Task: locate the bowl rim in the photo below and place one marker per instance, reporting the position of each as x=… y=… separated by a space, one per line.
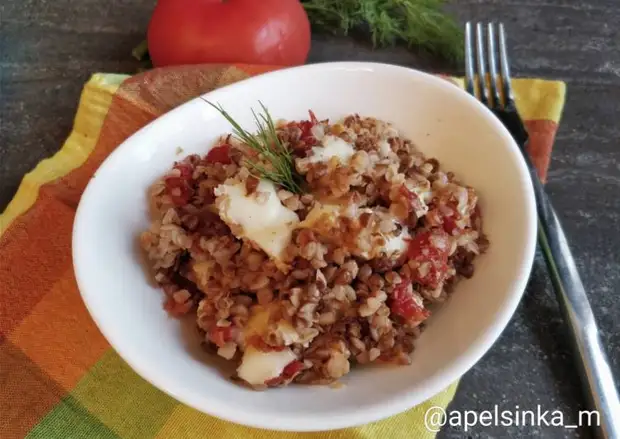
x=392 y=406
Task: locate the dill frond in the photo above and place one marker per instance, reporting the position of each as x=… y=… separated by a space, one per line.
x=281 y=165
x=421 y=23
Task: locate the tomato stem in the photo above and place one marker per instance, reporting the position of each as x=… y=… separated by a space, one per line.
x=141 y=51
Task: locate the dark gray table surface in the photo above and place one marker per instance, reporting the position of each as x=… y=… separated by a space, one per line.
x=49 y=48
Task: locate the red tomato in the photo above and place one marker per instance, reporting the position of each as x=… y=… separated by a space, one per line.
x=219 y=154
x=274 y=32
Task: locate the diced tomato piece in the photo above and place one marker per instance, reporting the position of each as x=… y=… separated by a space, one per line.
x=293 y=368
x=450 y=215
x=185 y=169
x=404 y=304
x=449 y=224
x=274 y=382
x=220 y=335
x=306 y=132
x=414 y=203
x=176 y=309
x=428 y=244
x=431 y=250
x=289 y=371
x=179 y=190
x=219 y=154
x=306 y=128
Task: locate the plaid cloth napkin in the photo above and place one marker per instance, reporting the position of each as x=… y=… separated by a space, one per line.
x=59 y=378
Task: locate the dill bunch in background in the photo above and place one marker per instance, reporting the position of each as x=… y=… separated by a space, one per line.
x=417 y=23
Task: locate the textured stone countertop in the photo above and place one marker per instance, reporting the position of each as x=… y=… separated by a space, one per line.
x=45 y=57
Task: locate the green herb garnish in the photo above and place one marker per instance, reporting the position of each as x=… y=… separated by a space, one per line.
x=280 y=167
x=420 y=23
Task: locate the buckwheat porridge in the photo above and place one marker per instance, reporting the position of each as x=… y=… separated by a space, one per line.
x=310 y=246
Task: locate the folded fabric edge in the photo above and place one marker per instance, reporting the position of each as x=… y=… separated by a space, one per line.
x=95 y=100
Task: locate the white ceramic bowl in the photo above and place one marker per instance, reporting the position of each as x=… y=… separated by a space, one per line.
x=441 y=119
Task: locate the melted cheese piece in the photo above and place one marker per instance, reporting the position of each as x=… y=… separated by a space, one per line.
x=259 y=322
x=257 y=366
x=322 y=217
x=332 y=147
x=268 y=224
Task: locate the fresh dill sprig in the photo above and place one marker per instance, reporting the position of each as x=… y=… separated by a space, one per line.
x=267 y=144
x=421 y=23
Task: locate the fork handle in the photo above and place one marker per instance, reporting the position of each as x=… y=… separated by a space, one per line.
x=595 y=370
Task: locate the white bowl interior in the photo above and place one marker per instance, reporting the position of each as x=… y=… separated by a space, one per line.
x=442 y=120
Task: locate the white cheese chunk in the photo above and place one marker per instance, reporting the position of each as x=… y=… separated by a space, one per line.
x=396 y=245
x=385 y=149
x=257 y=366
x=261 y=217
x=332 y=147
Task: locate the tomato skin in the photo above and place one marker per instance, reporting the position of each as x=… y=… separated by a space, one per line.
x=268 y=32
x=290 y=370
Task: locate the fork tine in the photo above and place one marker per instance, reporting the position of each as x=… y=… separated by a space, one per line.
x=505 y=67
x=469 y=60
x=493 y=66
x=482 y=74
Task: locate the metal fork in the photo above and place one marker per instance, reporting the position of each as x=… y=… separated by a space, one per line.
x=494 y=90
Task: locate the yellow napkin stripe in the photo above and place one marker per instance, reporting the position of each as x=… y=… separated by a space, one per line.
x=536 y=99
x=188 y=423
x=94 y=104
